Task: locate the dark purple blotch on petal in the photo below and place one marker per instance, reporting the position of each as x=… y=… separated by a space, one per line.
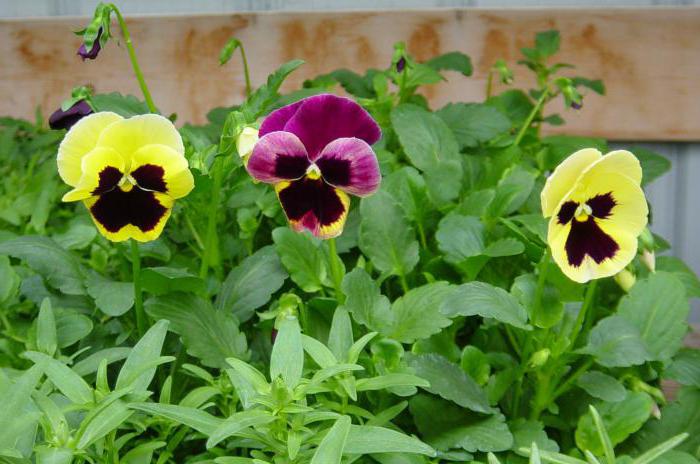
x=117 y=208
x=109 y=178
x=94 y=51
x=66 y=119
x=291 y=167
x=311 y=195
x=566 y=212
x=335 y=171
x=602 y=205
x=587 y=238
x=150 y=177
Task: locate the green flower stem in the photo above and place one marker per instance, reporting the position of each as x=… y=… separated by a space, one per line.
x=246 y=72
x=336 y=273
x=538 y=107
x=134 y=62
x=138 y=293
x=566 y=385
x=211 y=241
x=581 y=318
x=539 y=290
x=489 y=84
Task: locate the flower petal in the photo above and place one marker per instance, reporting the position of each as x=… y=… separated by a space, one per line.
x=102 y=170
x=276 y=120
x=323 y=118
x=564 y=178
x=129 y=135
x=162 y=169
x=351 y=165
x=79 y=141
x=278 y=156
x=314 y=205
x=617 y=162
x=136 y=214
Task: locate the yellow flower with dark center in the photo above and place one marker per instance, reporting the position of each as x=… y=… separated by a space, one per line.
x=127 y=172
x=597 y=209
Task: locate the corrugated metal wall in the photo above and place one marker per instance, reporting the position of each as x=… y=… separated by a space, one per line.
x=674 y=197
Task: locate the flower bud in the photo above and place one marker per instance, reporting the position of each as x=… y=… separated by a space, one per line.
x=246 y=141
x=94 y=51
x=625 y=279
x=66 y=119
x=540 y=358
x=401 y=64
x=648 y=258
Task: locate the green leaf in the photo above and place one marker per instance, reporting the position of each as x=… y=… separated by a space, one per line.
x=90 y=364
x=287 y=360
x=452 y=61
x=340 y=337
x=460 y=237
x=162 y=280
x=455 y=427
x=512 y=191
x=385 y=235
x=15 y=421
x=527 y=432
x=680 y=416
x=560 y=147
x=621 y=419
x=208 y=334
x=146 y=351
x=685 y=368
x=103 y=422
x=391 y=380
x=77 y=237
x=330 y=450
x=365 y=301
x=416 y=314
x=366 y=439
x=60 y=268
x=551 y=308
x=425 y=137
x=407 y=186
x=65 y=380
x=658 y=308
x=653 y=164
x=422 y=74
x=46 y=336
x=49 y=455
x=547 y=43
x=678 y=268
x=480 y=298
x=251 y=284
x=237 y=422
x=303 y=258
x=602 y=386
x=474 y=123
x=196 y=419
x=9 y=280
x=662 y=449
x=515 y=104
x=615 y=342
x=264 y=96
x=450 y=382
x=444 y=181
x=71 y=327
x=124 y=105
x=112 y=298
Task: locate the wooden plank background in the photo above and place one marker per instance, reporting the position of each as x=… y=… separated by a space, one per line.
x=649 y=59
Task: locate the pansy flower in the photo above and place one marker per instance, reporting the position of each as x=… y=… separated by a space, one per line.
x=316 y=152
x=127 y=172
x=597 y=211
x=60 y=119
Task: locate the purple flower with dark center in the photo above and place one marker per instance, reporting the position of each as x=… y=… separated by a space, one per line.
x=66 y=119
x=94 y=51
x=576 y=106
x=315 y=152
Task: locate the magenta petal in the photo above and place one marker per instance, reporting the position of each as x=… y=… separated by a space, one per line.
x=276 y=120
x=323 y=118
x=351 y=165
x=278 y=156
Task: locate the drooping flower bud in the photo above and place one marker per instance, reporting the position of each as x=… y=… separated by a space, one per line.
x=648 y=258
x=401 y=64
x=94 y=50
x=576 y=105
x=61 y=119
x=246 y=141
x=625 y=279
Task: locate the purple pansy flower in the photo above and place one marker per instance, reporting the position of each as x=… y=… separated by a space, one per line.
x=315 y=152
x=94 y=51
x=66 y=119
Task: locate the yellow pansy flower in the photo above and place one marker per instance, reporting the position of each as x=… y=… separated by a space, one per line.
x=127 y=172
x=597 y=209
x=246 y=142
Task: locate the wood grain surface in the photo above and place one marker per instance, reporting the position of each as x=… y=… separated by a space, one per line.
x=649 y=59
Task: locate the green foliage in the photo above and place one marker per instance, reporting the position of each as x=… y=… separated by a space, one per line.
x=443 y=332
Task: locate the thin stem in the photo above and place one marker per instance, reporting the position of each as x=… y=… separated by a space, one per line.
x=246 y=72
x=564 y=387
x=539 y=290
x=489 y=84
x=138 y=294
x=421 y=234
x=336 y=272
x=581 y=318
x=211 y=240
x=537 y=108
x=134 y=61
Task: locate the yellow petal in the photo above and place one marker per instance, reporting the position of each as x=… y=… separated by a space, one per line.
x=79 y=141
x=129 y=135
x=176 y=173
x=336 y=228
x=131 y=231
x=246 y=141
x=630 y=212
x=92 y=165
x=564 y=178
x=617 y=162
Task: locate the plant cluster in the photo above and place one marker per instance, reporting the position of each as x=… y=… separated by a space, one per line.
x=416 y=286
